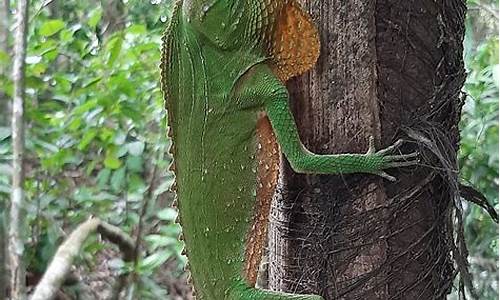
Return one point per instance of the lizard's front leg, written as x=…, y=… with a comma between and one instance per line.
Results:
x=304, y=161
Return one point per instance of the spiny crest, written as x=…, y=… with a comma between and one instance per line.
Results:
x=167, y=47
x=189, y=281
x=168, y=44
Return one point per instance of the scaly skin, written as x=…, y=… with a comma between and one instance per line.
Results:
x=220, y=68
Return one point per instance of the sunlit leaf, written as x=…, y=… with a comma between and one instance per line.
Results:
x=112, y=162
x=4, y=133
x=95, y=17
x=51, y=27
x=167, y=214
x=135, y=148
x=114, y=47
x=156, y=259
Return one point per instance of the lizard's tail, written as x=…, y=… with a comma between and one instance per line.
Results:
x=243, y=292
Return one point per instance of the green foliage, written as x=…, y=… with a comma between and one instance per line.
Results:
x=479, y=145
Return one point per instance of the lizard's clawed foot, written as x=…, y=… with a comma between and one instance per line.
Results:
x=391, y=161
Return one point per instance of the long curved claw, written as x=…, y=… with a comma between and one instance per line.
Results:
x=397, y=164
x=401, y=156
x=371, y=145
x=391, y=148
x=385, y=175
x=392, y=160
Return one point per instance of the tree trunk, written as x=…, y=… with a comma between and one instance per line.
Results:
x=16, y=243
x=388, y=69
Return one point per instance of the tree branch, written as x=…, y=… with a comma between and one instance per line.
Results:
x=121, y=282
x=63, y=259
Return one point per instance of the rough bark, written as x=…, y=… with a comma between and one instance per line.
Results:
x=421, y=73
x=388, y=69
x=16, y=243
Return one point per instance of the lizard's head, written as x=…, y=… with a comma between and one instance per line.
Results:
x=221, y=21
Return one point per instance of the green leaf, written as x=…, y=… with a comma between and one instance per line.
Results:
x=135, y=148
x=33, y=59
x=122, y=151
x=4, y=133
x=4, y=57
x=167, y=214
x=88, y=136
x=137, y=29
x=118, y=179
x=162, y=188
x=155, y=260
x=51, y=27
x=134, y=163
x=103, y=177
x=91, y=81
x=156, y=241
x=136, y=184
x=66, y=35
x=95, y=17
x=114, y=48
x=112, y=162
x=4, y=188
x=85, y=107
x=119, y=138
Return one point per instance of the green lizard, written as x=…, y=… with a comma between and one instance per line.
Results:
x=224, y=64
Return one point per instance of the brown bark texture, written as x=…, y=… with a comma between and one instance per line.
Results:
x=390, y=69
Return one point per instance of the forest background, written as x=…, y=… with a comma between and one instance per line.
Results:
x=96, y=141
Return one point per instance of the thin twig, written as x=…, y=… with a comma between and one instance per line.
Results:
x=121, y=282
x=490, y=10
